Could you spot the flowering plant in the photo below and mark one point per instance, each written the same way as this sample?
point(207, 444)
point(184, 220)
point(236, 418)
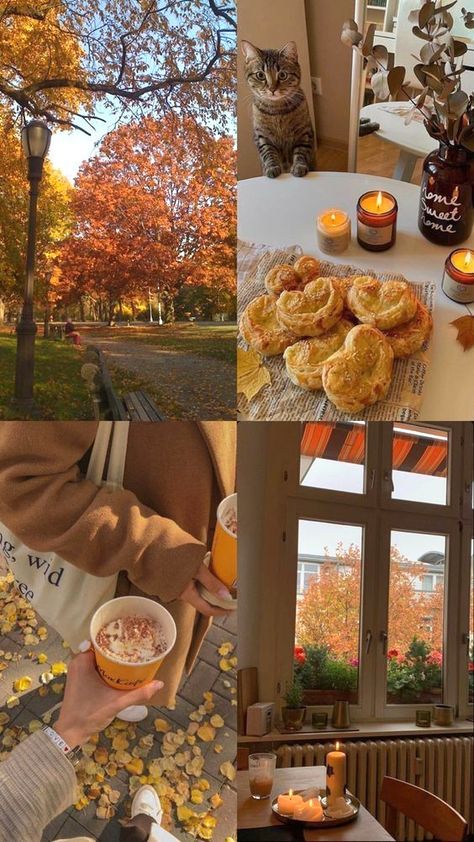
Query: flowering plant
point(447, 110)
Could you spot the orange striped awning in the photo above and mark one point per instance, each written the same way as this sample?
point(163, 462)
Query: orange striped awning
point(413, 449)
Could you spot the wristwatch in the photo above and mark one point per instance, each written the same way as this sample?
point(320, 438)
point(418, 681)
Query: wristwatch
point(73, 754)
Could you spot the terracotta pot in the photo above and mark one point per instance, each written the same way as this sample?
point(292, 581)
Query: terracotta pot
point(293, 718)
point(328, 697)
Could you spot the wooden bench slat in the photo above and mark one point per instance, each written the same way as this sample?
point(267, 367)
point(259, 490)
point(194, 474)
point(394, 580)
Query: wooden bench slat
point(135, 406)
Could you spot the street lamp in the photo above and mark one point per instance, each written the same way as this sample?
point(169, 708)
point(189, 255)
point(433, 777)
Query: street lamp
point(35, 140)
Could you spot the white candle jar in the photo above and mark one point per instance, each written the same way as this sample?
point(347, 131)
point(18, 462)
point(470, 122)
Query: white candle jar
point(333, 228)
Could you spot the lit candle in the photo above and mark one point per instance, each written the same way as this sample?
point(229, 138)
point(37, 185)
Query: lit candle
point(333, 230)
point(288, 803)
point(458, 278)
point(377, 220)
point(309, 811)
point(335, 775)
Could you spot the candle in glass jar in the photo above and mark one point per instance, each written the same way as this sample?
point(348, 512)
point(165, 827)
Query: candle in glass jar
point(335, 775)
point(334, 231)
point(309, 811)
point(377, 220)
point(287, 804)
point(458, 278)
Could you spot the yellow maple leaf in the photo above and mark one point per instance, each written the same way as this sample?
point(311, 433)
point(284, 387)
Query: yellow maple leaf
point(22, 684)
point(184, 813)
point(135, 766)
point(12, 702)
point(217, 721)
point(228, 770)
point(206, 732)
point(196, 796)
point(59, 668)
point(225, 649)
point(216, 801)
point(162, 726)
point(42, 658)
point(252, 376)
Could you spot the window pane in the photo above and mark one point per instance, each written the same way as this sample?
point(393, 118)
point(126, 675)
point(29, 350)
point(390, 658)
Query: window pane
point(415, 626)
point(327, 613)
point(420, 464)
point(333, 456)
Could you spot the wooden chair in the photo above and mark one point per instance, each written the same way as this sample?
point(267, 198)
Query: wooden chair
point(424, 808)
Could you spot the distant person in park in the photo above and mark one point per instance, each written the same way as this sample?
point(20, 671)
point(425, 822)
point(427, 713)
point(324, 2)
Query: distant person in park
point(38, 779)
point(71, 334)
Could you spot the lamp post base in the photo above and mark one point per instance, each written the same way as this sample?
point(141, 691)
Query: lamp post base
point(25, 360)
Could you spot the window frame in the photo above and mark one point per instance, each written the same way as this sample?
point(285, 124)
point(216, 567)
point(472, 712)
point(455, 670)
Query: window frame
point(376, 512)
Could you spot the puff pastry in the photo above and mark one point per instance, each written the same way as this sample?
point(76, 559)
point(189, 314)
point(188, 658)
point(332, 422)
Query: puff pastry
point(383, 305)
point(359, 374)
point(313, 311)
point(408, 338)
point(307, 268)
point(280, 278)
point(304, 360)
point(260, 328)
point(343, 286)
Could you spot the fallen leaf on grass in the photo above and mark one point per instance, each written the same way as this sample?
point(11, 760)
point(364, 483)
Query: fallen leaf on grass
point(252, 376)
point(465, 329)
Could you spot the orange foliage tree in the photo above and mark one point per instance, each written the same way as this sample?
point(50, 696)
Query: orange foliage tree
point(328, 613)
point(154, 209)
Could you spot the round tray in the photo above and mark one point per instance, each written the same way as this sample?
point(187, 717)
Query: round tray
point(326, 821)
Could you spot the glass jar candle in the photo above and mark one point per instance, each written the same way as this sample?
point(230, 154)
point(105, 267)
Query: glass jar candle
point(377, 220)
point(333, 230)
point(458, 278)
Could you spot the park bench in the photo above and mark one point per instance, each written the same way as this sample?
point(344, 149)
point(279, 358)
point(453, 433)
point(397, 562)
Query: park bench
point(134, 406)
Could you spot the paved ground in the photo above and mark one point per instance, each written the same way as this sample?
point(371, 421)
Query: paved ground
point(204, 387)
point(206, 676)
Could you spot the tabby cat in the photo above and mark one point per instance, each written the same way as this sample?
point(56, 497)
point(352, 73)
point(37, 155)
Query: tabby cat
point(282, 126)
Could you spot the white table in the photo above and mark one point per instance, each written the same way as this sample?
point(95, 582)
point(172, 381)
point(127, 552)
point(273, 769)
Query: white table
point(413, 140)
point(282, 212)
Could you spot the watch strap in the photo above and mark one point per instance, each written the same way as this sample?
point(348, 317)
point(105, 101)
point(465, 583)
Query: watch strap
point(72, 754)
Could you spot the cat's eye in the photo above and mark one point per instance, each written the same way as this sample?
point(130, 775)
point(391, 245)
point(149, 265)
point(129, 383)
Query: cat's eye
point(283, 75)
point(260, 75)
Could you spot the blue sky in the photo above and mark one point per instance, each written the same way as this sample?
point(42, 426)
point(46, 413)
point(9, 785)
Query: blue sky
point(69, 149)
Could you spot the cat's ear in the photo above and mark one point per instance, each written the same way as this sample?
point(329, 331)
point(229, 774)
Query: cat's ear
point(249, 50)
point(290, 51)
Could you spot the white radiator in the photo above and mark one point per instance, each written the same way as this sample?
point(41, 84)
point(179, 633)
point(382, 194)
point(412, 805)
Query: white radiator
point(442, 765)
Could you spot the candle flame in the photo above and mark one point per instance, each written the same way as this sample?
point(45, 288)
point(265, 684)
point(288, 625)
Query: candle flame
point(290, 793)
point(310, 802)
point(468, 259)
point(379, 201)
point(337, 746)
point(333, 217)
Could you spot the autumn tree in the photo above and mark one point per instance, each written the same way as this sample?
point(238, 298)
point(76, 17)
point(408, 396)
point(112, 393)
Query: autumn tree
point(60, 58)
point(154, 209)
point(54, 217)
point(328, 612)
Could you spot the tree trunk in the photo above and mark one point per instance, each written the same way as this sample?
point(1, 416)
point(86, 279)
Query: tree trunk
point(2, 312)
point(134, 310)
point(81, 309)
point(120, 307)
point(111, 308)
point(47, 313)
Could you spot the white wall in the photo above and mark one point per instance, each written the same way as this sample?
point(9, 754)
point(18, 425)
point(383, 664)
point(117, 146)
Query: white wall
point(330, 60)
point(267, 24)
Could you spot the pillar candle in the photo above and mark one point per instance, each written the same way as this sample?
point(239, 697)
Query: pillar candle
point(335, 775)
point(309, 811)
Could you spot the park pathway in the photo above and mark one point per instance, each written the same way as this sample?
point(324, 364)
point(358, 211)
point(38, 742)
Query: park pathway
point(199, 387)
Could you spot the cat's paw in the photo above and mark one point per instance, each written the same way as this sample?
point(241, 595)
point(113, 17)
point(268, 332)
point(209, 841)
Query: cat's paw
point(273, 171)
point(299, 170)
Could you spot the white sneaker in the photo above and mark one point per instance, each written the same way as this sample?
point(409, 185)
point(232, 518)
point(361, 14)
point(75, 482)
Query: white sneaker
point(134, 713)
point(146, 801)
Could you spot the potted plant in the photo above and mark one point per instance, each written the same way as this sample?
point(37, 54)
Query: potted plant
point(325, 679)
point(446, 203)
point(415, 676)
point(293, 712)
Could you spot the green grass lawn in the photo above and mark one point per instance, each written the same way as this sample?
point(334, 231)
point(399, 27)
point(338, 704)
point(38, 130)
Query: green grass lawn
point(218, 341)
point(60, 392)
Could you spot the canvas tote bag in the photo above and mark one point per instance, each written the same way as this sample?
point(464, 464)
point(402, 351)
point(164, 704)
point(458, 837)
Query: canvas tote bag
point(64, 596)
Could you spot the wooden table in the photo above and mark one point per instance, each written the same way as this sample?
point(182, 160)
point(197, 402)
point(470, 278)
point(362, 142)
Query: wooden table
point(282, 212)
point(256, 814)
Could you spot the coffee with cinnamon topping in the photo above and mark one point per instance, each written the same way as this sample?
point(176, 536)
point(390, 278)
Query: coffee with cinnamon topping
point(134, 638)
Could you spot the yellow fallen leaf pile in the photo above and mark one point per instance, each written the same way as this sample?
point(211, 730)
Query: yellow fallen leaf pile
point(186, 796)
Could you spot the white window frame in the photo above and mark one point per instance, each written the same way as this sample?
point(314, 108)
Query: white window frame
point(378, 513)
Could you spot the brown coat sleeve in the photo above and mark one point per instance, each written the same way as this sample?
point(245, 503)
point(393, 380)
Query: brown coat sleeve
point(49, 506)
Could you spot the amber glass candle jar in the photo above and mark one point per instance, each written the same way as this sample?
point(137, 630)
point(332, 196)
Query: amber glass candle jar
point(458, 278)
point(377, 220)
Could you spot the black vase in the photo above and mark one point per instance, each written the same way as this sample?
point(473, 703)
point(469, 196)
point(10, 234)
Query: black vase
point(446, 202)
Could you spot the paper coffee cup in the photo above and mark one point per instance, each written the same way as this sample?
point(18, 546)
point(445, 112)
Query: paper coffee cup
point(124, 675)
point(224, 545)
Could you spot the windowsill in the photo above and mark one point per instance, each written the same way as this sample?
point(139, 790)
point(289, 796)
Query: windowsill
point(366, 729)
